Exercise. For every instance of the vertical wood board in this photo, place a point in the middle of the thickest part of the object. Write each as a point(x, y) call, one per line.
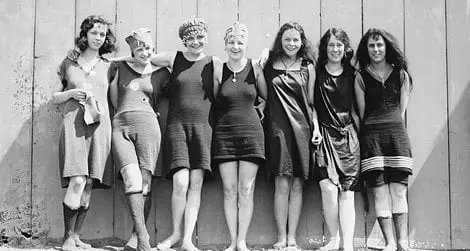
point(99, 220)
point(16, 66)
point(262, 19)
point(52, 17)
point(219, 14)
point(427, 124)
point(458, 38)
point(170, 14)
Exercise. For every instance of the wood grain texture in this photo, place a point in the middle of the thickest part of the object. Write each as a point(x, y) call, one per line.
point(52, 17)
point(428, 194)
point(345, 14)
point(458, 81)
point(394, 22)
point(262, 19)
point(16, 66)
point(170, 14)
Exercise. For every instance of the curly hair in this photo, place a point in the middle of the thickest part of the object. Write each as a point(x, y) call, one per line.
point(81, 41)
point(393, 55)
point(306, 51)
point(342, 36)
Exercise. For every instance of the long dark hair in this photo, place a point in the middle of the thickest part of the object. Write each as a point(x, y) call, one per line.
point(306, 49)
point(81, 41)
point(393, 55)
point(342, 36)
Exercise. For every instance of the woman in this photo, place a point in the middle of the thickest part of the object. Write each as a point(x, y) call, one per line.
point(290, 77)
point(382, 90)
point(136, 133)
point(238, 138)
point(188, 133)
point(335, 106)
point(85, 141)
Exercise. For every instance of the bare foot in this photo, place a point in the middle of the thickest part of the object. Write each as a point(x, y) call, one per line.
point(169, 242)
point(333, 244)
point(232, 247)
point(143, 243)
point(348, 248)
point(69, 244)
point(79, 243)
point(131, 243)
point(390, 247)
point(280, 244)
point(241, 246)
point(403, 246)
point(189, 246)
point(291, 242)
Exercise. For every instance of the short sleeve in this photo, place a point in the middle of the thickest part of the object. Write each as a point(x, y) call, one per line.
point(359, 81)
point(112, 71)
point(69, 59)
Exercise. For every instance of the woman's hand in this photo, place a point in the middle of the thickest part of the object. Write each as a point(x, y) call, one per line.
point(79, 94)
point(316, 137)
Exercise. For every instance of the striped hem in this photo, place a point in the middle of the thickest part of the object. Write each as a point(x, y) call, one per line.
point(389, 161)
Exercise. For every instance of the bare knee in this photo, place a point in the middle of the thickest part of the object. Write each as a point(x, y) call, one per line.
point(346, 197)
point(86, 196)
point(246, 189)
point(399, 200)
point(132, 178)
point(296, 186)
point(196, 178)
point(230, 191)
point(382, 201)
point(328, 189)
point(282, 185)
point(181, 183)
point(77, 184)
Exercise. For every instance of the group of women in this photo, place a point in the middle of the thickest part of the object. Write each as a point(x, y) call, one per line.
point(314, 109)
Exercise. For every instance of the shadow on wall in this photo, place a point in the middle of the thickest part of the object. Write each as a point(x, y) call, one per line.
point(428, 195)
point(24, 215)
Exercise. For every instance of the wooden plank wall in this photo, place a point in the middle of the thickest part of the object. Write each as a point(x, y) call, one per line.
point(433, 33)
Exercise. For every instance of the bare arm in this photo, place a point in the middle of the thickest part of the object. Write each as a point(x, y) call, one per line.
point(164, 59)
point(316, 135)
point(359, 92)
point(260, 81)
point(404, 94)
point(113, 90)
point(60, 96)
point(217, 75)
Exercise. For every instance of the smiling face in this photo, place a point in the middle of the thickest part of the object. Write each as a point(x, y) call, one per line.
point(143, 53)
point(376, 49)
point(96, 36)
point(335, 50)
point(195, 43)
point(291, 42)
point(235, 47)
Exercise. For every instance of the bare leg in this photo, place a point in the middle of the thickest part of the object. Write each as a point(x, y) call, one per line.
point(400, 214)
point(347, 218)
point(384, 215)
point(229, 175)
point(329, 196)
point(295, 208)
point(178, 205)
point(146, 192)
point(71, 204)
point(281, 207)
point(192, 208)
point(82, 211)
point(246, 189)
point(132, 177)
